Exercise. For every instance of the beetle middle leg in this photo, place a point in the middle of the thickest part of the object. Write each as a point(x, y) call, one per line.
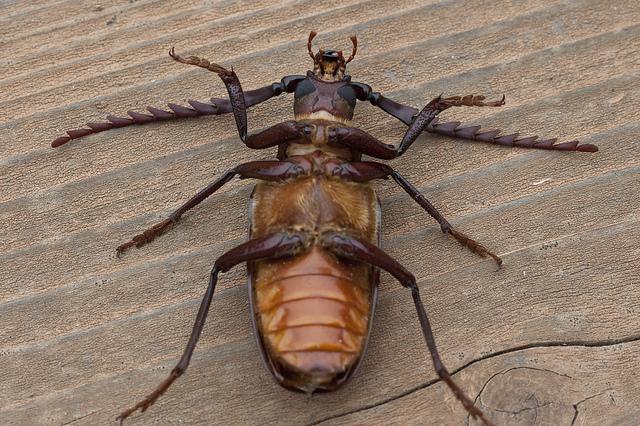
point(368, 170)
point(265, 170)
point(446, 227)
point(352, 248)
point(272, 246)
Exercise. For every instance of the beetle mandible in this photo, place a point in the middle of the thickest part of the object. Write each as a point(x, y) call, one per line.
point(313, 255)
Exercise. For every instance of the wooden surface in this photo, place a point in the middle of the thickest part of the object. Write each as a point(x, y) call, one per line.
point(553, 338)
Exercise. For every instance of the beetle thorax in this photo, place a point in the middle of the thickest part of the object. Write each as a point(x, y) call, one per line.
point(317, 129)
point(312, 97)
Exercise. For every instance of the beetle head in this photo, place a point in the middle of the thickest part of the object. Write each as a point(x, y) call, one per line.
point(329, 64)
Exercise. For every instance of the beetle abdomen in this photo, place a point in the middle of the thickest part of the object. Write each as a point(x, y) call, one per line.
point(313, 312)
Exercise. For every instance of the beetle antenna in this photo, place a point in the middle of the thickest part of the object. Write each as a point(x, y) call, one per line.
point(354, 41)
point(312, 34)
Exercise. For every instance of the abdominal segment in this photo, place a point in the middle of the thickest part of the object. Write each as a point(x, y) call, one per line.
point(313, 312)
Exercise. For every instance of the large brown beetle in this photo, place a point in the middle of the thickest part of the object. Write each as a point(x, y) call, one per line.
point(313, 255)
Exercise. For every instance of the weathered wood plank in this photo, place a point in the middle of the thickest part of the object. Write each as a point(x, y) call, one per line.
point(550, 339)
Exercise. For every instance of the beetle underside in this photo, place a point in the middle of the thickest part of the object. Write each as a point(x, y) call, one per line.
point(314, 255)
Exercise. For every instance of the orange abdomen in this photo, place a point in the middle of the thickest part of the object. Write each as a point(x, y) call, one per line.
point(313, 312)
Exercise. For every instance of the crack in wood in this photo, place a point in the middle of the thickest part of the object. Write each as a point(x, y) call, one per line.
point(479, 395)
point(575, 406)
point(577, 343)
point(79, 418)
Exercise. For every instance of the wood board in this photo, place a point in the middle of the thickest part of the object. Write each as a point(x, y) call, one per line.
point(550, 339)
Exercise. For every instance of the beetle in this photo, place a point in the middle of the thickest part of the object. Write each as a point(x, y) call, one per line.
point(313, 254)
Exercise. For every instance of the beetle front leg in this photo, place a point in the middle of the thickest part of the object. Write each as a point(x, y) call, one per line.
point(360, 140)
point(239, 101)
point(427, 115)
point(231, 82)
point(273, 246)
point(352, 248)
point(216, 106)
point(264, 170)
point(454, 129)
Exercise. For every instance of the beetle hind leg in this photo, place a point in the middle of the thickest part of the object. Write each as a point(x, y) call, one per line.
point(180, 368)
point(352, 248)
point(272, 246)
point(443, 373)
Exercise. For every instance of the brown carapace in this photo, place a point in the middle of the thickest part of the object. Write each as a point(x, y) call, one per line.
point(313, 255)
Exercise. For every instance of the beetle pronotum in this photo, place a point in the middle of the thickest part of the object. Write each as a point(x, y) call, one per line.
point(313, 255)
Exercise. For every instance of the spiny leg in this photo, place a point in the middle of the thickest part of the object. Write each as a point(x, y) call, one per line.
point(426, 116)
point(158, 229)
point(231, 82)
point(275, 135)
point(272, 246)
point(454, 129)
point(182, 365)
point(473, 132)
point(265, 170)
point(352, 248)
point(360, 140)
point(216, 106)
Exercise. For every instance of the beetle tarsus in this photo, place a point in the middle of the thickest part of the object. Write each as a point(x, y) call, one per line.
point(151, 398)
point(273, 246)
point(353, 248)
point(474, 246)
point(443, 373)
point(146, 236)
point(471, 100)
point(446, 227)
point(265, 170)
point(237, 97)
point(200, 62)
point(455, 129)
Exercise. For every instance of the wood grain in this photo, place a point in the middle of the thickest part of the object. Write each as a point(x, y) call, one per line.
point(552, 338)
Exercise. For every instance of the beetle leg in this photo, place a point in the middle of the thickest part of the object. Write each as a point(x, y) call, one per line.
point(421, 121)
point(216, 106)
point(454, 129)
point(275, 135)
point(231, 82)
point(284, 132)
point(446, 227)
point(472, 100)
point(368, 170)
point(264, 170)
point(273, 246)
point(360, 140)
point(427, 115)
point(352, 248)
